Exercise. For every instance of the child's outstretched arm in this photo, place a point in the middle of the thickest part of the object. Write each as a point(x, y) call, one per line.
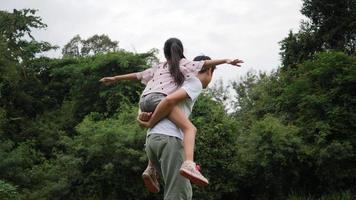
point(113, 79)
point(210, 63)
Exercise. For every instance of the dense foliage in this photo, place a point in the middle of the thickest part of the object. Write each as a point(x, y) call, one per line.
point(288, 135)
point(330, 25)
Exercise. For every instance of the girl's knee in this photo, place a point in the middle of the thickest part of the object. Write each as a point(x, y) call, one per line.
point(190, 128)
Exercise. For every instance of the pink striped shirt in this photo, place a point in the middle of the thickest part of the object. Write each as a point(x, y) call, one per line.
point(158, 78)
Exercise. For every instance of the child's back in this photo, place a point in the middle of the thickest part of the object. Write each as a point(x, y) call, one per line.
point(158, 78)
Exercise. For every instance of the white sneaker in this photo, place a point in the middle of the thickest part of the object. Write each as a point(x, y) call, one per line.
point(191, 171)
point(150, 179)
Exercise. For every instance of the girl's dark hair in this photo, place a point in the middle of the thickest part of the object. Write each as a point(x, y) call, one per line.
point(173, 51)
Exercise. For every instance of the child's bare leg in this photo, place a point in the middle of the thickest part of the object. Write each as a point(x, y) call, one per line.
point(188, 168)
point(180, 119)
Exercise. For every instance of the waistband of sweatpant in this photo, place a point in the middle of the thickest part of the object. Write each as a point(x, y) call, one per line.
point(163, 135)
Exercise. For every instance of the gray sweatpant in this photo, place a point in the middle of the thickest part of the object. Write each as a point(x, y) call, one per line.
point(166, 153)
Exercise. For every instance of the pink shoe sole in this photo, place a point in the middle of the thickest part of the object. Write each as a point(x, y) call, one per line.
point(149, 183)
point(193, 178)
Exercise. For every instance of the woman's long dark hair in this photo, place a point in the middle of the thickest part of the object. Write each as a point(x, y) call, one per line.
point(173, 51)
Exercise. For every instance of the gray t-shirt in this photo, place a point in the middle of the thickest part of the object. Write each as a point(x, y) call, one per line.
point(193, 87)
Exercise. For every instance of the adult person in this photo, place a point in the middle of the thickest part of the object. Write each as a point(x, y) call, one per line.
point(164, 146)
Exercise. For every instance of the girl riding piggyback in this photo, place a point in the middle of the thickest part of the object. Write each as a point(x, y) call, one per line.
point(161, 80)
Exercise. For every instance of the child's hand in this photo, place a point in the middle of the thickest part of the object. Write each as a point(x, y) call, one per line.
point(108, 80)
point(235, 62)
point(145, 116)
point(143, 119)
point(143, 124)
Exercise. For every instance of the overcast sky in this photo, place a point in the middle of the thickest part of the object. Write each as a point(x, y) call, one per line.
point(246, 29)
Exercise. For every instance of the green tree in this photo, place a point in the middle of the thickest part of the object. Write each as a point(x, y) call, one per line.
point(317, 98)
point(321, 100)
point(8, 191)
point(98, 44)
point(269, 159)
point(330, 26)
point(215, 147)
point(16, 84)
point(334, 22)
point(13, 29)
point(73, 47)
point(91, 46)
